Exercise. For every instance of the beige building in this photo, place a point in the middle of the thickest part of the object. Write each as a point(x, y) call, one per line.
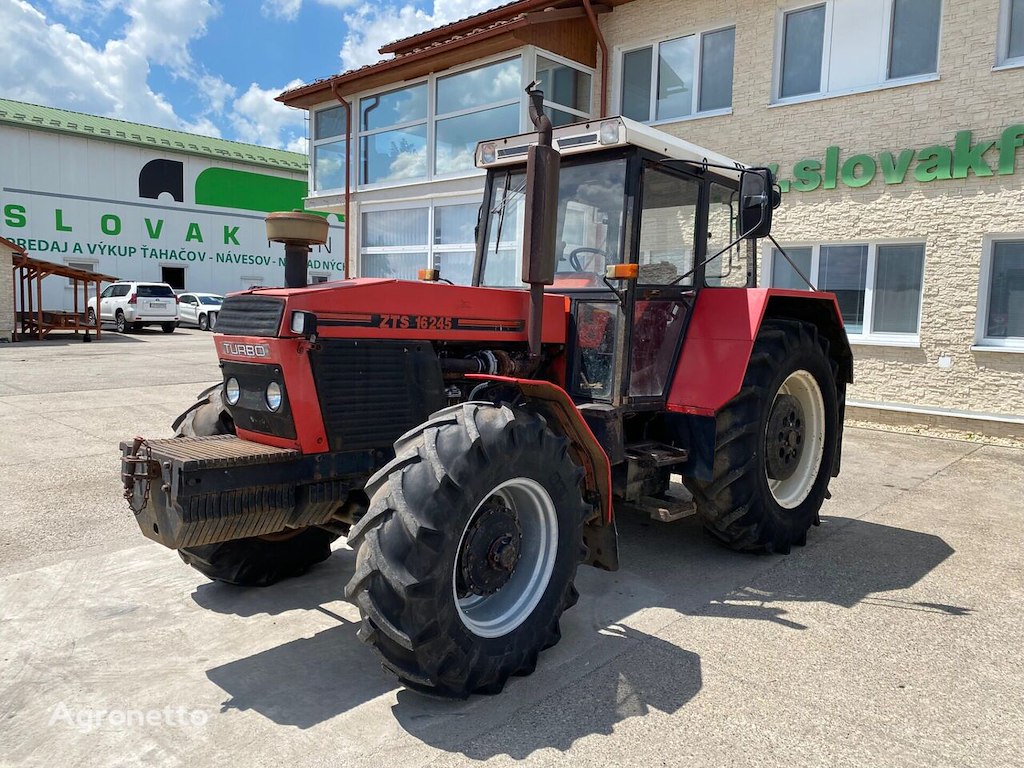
point(897, 128)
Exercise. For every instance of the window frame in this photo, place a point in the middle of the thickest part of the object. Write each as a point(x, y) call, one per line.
point(313, 142)
point(1003, 58)
point(867, 336)
point(884, 63)
point(981, 341)
point(698, 61)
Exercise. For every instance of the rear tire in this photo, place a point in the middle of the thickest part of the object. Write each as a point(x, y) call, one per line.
point(120, 323)
point(168, 327)
point(467, 555)
point(258, 561)
point(90, 317)
point(204, 324)
point(776, 443)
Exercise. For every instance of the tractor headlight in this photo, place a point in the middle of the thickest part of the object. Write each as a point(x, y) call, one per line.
point(610, 132)
point(273, 395)
point(232, 391)
point(488, 153)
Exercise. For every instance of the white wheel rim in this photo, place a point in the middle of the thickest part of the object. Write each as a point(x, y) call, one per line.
point(792, 491)
point(497, 614)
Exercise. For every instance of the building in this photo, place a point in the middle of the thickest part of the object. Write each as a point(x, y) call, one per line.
point(8, 251)
point(146, 203)
point(896, 128)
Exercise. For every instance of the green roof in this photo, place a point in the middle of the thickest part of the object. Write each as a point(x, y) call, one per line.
point(109, 129)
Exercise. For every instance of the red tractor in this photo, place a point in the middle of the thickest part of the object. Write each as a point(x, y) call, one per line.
point(472, 441)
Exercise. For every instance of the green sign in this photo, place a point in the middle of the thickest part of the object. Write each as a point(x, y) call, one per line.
point(935, 163)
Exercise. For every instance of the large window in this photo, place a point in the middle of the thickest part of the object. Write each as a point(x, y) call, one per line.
point(393, 136)
point(845, 45)
point(566, 91)
point(1001, 305)
point(878, 286)
point(1011, 33)
point(399, 242)
point(329, 149)
point(677, 78)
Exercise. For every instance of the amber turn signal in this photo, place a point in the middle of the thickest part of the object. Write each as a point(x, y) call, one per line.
point(622, 271)
point(429, 275)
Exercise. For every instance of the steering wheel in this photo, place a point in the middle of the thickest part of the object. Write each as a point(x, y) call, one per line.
point(574, 257)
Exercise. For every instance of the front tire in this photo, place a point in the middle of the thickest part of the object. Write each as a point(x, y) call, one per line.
point(120, 323)
point(467, 555)
point(204, 324)
point(258, 561)
point(776, 444)
point(90, 317)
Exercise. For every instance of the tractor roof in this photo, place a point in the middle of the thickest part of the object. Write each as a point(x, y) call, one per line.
point(602, 134)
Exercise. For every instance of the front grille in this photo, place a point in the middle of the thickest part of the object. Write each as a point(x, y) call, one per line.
point(249, 315)
point(372, 392)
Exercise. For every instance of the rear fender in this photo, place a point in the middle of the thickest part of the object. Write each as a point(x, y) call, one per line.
point(555, 405)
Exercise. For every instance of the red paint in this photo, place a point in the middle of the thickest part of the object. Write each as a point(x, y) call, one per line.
point(291, 354)
point(718, 343)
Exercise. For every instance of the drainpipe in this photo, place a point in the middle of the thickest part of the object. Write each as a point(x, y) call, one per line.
point(348, 166)
point(604, 56)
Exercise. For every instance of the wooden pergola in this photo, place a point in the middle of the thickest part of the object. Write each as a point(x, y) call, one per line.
point(32, 321)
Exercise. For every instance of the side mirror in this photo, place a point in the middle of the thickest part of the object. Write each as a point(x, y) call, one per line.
point(757, 201)
point(303, 324)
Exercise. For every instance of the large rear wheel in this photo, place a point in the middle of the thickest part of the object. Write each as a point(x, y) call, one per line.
point(467, 555)
point(776, 443)
point(257, 561)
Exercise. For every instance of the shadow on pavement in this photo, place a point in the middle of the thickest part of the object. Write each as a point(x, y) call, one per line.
point(615, 672)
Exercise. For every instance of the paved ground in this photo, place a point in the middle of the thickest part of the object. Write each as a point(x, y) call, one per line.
point(892, 639)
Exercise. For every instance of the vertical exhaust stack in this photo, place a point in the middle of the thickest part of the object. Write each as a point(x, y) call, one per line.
point(298, 231)
point(542, 164)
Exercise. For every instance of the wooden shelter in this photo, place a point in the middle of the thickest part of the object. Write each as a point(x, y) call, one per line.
point(31, 319)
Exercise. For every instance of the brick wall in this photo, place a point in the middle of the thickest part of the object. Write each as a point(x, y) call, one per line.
point(6, 294)
point(951, 217)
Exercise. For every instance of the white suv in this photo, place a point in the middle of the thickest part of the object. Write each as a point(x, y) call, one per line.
point(132, 305)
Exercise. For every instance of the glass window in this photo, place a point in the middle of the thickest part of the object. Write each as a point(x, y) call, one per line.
point(1015, 34)
point(329, 166)
point(329, 123)
point(1006, 291)
point(636, 84)
point(455, 224)
point(564, 85)
point(591, 212)
point(401, 266)
point(667, 223)
point(88, 266)
point(914, 48)
point(457, 137)
point(479, 87)
point(899, 273)
point(399, 227)
point(802, 49)
point(456, 266)
point(156, 291)
point(716, 55)
point(692, 74)
point(383, 110)
point(596, 324)
point(394, 155)
point(729, 270)
point(676, 66)
point(783, 274)
point(842, 269)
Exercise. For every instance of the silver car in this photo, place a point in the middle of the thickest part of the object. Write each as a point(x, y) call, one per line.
point(199, 309)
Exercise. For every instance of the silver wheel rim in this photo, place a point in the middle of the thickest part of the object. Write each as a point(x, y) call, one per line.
point(792, 491)
point(498, 614)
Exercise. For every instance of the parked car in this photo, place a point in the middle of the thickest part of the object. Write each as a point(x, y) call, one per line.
point(132, 305)
point(199, 309)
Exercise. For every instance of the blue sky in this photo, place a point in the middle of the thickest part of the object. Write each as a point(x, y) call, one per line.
point(207, 66)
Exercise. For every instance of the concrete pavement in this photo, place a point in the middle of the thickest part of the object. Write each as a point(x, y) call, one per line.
point(891, 639)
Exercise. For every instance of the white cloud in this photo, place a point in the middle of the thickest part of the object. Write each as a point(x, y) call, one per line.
point(69, 72)
point(281, 9)
point(372, 25)
point(258, 119)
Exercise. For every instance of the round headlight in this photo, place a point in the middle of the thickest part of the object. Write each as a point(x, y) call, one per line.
point(231, 391)
point(273, 395)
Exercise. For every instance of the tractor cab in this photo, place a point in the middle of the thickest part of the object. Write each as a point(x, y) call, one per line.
point(644, 221)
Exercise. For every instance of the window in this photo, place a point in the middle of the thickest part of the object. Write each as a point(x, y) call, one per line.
point(847, 45)
point(1001, 307)
point(566, 91)
point(1011, 32)
point(318, 279)
point(474, 105)
point(393, 135)
point(173, 276)
point(678, 78)
point(329, 148)
point(88, 266)
point(878, 286)
point(396, 242)
point(667, 223)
